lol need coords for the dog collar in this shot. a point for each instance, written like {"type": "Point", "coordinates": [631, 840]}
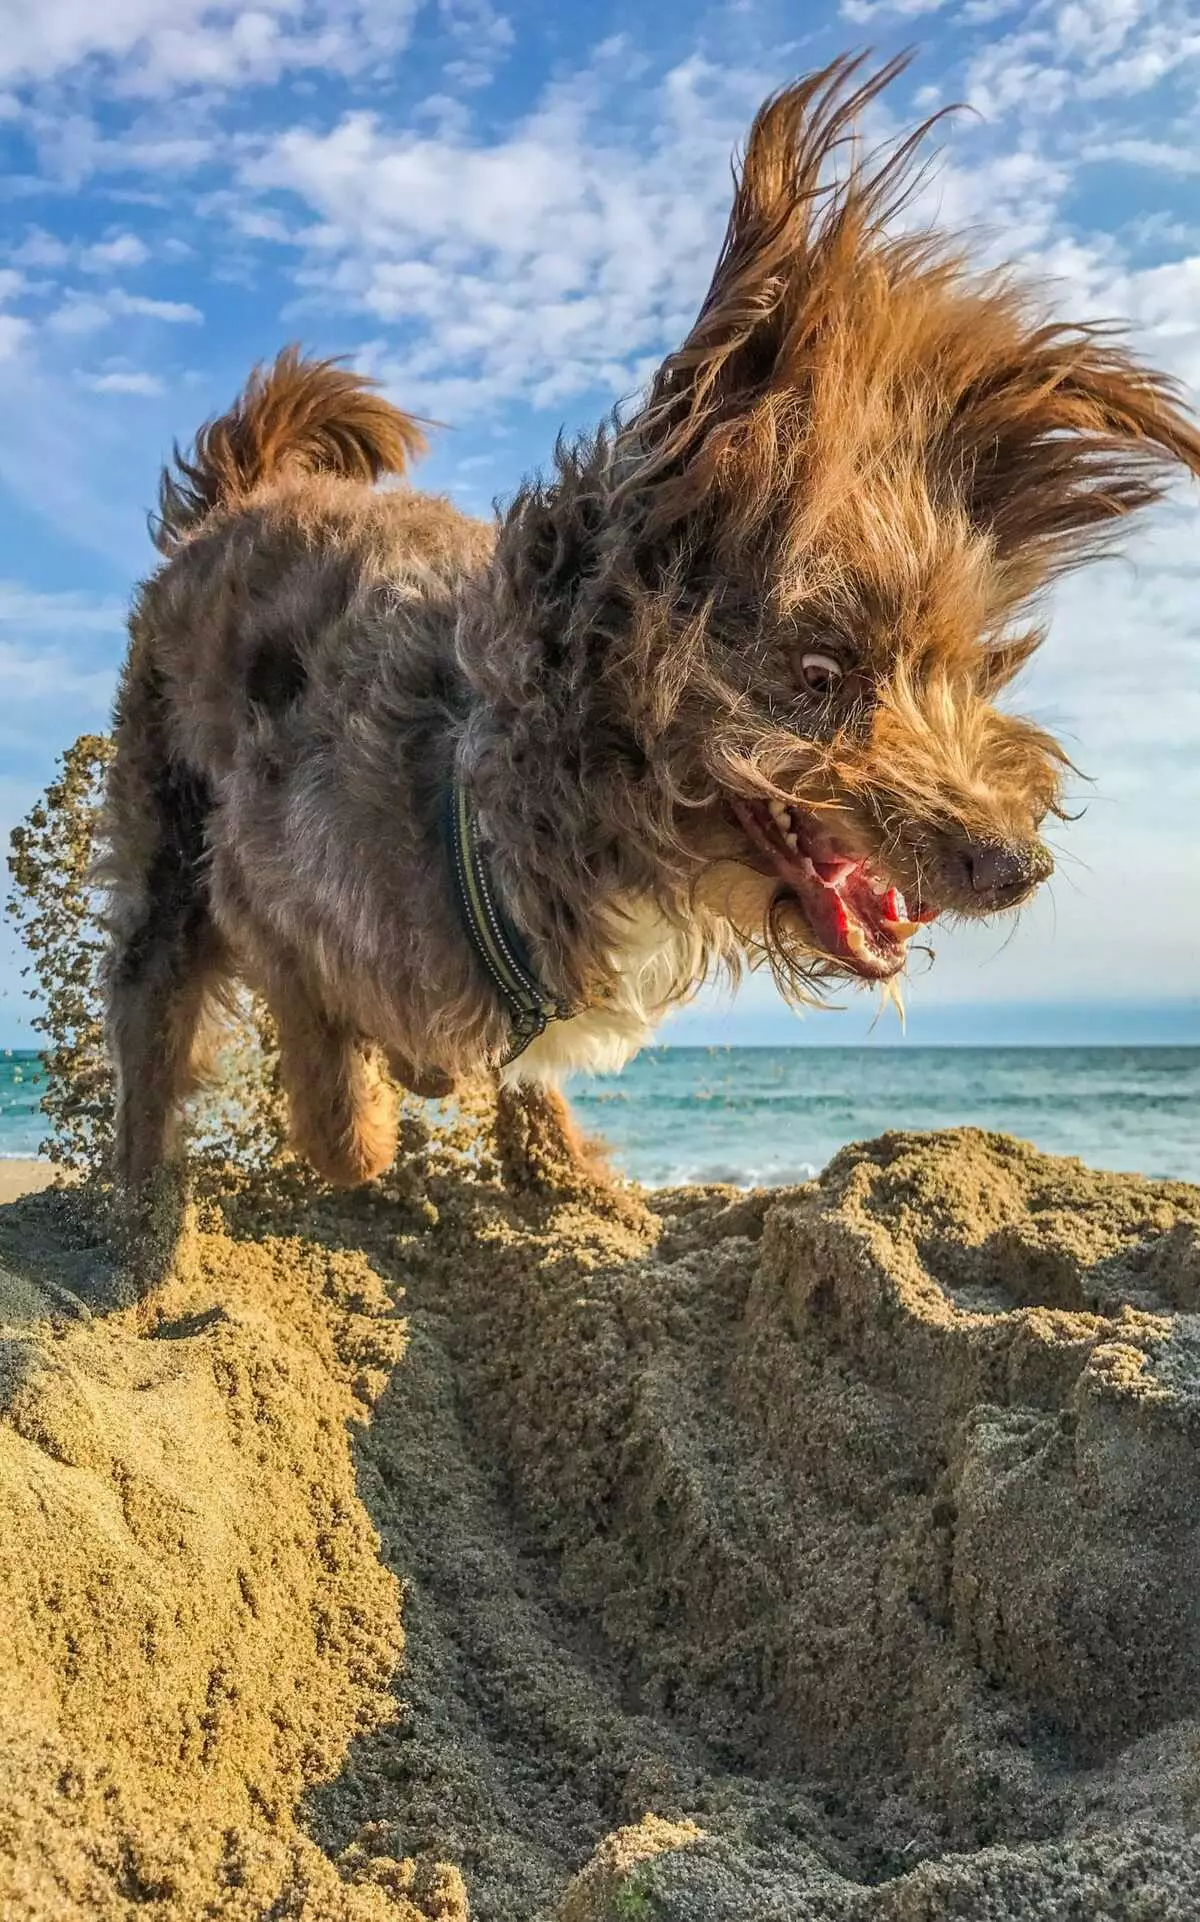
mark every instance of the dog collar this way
{"type": "Point", "coordinates": [491, 933]}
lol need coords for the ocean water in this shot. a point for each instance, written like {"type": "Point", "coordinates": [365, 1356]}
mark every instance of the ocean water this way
{"type": "Point", "coordinates": [776, 1115]}
{"type": "Point", "coordinates": [22, 1124]}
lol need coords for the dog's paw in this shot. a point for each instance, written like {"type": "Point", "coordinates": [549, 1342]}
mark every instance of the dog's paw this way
{"type": "Point", "coordinates": [145, 1224]}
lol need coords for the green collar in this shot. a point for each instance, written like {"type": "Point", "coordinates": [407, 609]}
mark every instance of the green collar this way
{"type": "Point", "coordinates": [491, 933]}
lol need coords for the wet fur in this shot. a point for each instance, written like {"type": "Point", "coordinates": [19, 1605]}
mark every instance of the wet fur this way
{"type": "Point", "coordinates": [859, 440]}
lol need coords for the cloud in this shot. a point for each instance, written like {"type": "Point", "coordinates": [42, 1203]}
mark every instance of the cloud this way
{"type": "Point", "coordinates": [40, 249]}
{"type": "Point", "coordinates": [1082, 51]}
{"type": "Point", "coordinates": [565, 255]}
{"type": "Point", "coordinates": [1124, 632]}
{"type": "Point", "coordinates": [79, 315]}
{"type": "Point", "coordinates": [157, 47]}
{"type": "Point", "coordinates": [82, 314]}
{"type": "Point", "coordinates": [556, 260]}
{"type": "Point", "coordinates": [50, 676]}
{"type": "Point", "coordinates": [106, 256]}
{"type": "Point", "coordinates": [15, 332]}
{"type": "Point", "coordinates": [125, 383]}
{"type": "Point", "coordinates": [59, 654]}
{"type": "Point", "coordinates": [173, 313]}
{"type": "Point", "coordinates": [30, 611]}
{"type": "Point", "coordinates": [1140, 152]}
{"type": "Point", "coordinates": [863, 12]}
{"type": "Point", "coordinates": [58, 660]}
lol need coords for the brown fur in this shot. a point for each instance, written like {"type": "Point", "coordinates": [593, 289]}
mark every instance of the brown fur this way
{"type": "Point", "coordinates": [860, 446]}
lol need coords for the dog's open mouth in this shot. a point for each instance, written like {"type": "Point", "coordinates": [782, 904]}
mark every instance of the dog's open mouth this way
{"type": "Point", "coordinates": [853, 912]}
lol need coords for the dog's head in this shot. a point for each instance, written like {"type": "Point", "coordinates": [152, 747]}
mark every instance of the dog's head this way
{"type": "Point", "coordinates": [837, 505]}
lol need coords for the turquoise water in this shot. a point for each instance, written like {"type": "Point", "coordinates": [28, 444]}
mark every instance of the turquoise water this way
{"type": "Point", "coordinates": [22, 1124]}
{"type": "Point", "coordinates": [764, 1115]}
{"type": "Point", "coordinates": [767, 1115]}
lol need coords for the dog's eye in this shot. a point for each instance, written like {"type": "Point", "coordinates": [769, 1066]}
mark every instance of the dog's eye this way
{"type": "Point", "coordinates": [820, 673]}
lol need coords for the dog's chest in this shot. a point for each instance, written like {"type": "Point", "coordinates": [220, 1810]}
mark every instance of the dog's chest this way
{"type": "Point", "coordinates": [657, 964]}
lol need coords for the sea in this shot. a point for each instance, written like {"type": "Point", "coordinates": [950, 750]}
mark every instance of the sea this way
{"type": "Point", "coordinates": [770, 1116]}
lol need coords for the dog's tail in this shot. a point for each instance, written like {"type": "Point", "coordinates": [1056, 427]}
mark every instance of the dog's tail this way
{"type": "Point", "coordinates": [298, 416]}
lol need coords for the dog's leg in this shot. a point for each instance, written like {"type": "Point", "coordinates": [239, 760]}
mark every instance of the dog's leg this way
{"type": "Point", "coordinates": [343, 1113]}
{"type": "Point", "coordinates": [543, 1155]}
{"type": "Point", "coordinates": [159, 989]}
{"type": "Point", "coordinates": [430, 1083]}
{"type": "Point", "coordinates": [161, 973]}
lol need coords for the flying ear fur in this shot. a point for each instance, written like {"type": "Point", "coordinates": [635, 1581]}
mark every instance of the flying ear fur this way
{"type": "Point", "coordinates": [793, 228]}
{"type": "Point", "coordinates": [1003, 661]}
{"type": "Point", "coordinates": [1062, 437]}
{"type": "Point", "coordinates": [830, 353]}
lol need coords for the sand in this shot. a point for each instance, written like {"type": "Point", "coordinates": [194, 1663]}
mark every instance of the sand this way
{"type": "Point", "coordinates": [19, 1178]}
{"type": "Point", "coordinates": [820, 1556]}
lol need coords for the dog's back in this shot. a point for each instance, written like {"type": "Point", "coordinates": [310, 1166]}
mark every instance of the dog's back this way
{"type": "Point", "coordinates": [285, 571]}
{"type": "Point", "coordinates": [274, 533]}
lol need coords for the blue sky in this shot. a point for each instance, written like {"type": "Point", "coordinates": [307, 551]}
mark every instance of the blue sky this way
{"type": "Point", "coordinates": [509, 214]}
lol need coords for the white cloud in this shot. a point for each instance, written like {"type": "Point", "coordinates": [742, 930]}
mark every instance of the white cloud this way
{"type": "Point", "coordinates": [47, 696]}
{"type": "Point", "coordinates": [1121, 673]}
{"type": "Point", "coordinates": [1083, 50]}
{"type": "Point", "coordinates": [14, 333]}
{"type": "Point", "coordinates": [1140, 152]}
{"type": "Point", "coordinates": [49, 674]}
{"type": "Point", "coordinates": [173, 312]}
{"type": "Point", "coordinates": [29, 612]}
{"type": "Point", "coordinates": [40, 249]}
{"type": "Point", "coordinates": [79, 316]}
{"type": "Point", "coordinates": [108, 256]}
{"type": "Point", "coordinates": [82, 314]}
{"type": "Point", "coordinates": [568, 254]}
{"type": "Point", "coordinates": [862, 12]}
{"type": "Point", "coordinates": [541, 265]}
{"type": "Point", "coordinates": [157, 47]}
{"type": "Point", "coordinates": [125, 383]}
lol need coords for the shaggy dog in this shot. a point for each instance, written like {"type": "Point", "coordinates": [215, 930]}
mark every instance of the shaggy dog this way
{"type": "Point", "coordinates": [722, 690]}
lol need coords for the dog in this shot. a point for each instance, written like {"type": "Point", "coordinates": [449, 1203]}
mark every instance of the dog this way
{"type": "Point", "coordinates": [722, 691]}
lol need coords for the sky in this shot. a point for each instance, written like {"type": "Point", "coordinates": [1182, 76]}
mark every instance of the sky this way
{"type": "Point", "coordinates": [508, 215]}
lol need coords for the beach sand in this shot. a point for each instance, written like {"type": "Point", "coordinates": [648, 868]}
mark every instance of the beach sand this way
{"type": "Point", "coordinates": [820, 1556]}
{"type": "Point", "coordinates": [19, 1178]}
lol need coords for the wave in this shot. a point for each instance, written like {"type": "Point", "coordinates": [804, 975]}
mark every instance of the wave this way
{"type": "Point", "coordinates": [692, 1174]}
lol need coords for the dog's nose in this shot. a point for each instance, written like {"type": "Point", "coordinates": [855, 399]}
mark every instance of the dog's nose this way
{"type": "Point", "coordinates": [1001, 873]}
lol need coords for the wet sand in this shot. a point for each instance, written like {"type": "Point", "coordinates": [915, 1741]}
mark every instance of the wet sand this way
{"type": "Point", "coordinates": [820, 1556]}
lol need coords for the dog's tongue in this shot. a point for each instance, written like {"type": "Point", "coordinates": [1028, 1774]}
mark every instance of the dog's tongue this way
{"type": "Point", "coordinates": [833, 873]}
{"type": "Point", "coordinates": [871, 926]}
{"type": "Point", "coordinates": [861, 920]}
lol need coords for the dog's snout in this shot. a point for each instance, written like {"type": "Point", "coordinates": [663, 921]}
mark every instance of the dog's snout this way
{"type": "Point", "coordinates": [987, 875]}
{"type": "Point", "coordinates": [998, 870]}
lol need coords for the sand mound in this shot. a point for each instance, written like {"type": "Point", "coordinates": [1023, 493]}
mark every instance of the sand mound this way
{"type": "Point", "coordinates": [832, 1555]}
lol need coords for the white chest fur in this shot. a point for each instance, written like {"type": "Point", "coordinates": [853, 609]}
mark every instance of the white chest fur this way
{"type": "Point", "coordinates": [657, 965]}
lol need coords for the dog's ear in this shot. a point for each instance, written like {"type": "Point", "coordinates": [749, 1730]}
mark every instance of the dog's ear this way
{"type": "Point", "coordinates": [1003, 660]}
{"type": "Point", "coordinates": [1062, 436]}
{"type": "Point", "coordinates": [806, 209]}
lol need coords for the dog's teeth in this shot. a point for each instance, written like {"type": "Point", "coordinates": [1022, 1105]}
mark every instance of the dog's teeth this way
{"type": "Point", "coordinates": [856, 941]}
{"type": "Point", "coordinates": [901, 907]}
{"type": "Point", "coordinates": [793, 842]}
{"type": "Point", "coordinates": [900, 930]}
{"type": "Point", "coordinates": [779, 813]}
